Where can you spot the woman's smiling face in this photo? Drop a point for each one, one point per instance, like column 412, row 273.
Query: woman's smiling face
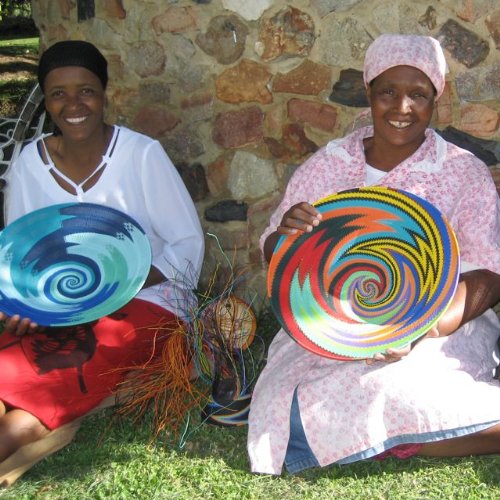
column 402, row 102
column 75, row 99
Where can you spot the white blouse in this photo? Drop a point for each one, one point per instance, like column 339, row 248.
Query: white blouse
column 140, row 180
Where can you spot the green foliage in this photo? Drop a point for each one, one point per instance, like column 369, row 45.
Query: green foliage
column 15, row 8
column 15, row 18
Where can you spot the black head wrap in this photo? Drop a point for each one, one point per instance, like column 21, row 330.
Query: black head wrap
column 73, row 53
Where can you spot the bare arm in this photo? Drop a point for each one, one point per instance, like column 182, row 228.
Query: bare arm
column 476, row 292
column 155, row 277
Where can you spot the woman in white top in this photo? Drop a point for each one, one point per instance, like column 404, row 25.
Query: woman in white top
column 87, row 160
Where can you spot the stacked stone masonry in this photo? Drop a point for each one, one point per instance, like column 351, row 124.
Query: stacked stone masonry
column 241, row 92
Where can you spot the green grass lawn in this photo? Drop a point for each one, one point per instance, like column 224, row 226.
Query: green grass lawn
column 19, row 46
column 119, row 462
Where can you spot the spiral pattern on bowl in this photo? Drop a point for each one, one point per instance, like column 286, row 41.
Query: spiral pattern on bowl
column 71, row 263
column 377, row 273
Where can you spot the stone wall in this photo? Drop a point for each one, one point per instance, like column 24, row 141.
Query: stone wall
column 240, row 92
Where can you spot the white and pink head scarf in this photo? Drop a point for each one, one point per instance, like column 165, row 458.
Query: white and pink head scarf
column 421, row 52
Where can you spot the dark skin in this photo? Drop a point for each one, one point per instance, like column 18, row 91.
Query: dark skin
column 402, row 102
column 75, row 100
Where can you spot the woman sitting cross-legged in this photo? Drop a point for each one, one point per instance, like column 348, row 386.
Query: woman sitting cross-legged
column 440, row 397
column 52, row 376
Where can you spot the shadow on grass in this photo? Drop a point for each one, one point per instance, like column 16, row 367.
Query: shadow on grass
column 487, row 467
column 19, row 88
column 13, row 96
column 116, row 436
column 19, row 51
column 19, row 66
column 98, row 445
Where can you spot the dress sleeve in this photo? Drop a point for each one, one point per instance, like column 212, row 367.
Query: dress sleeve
column 478, row 230
column 306, row 184
column 173, row 217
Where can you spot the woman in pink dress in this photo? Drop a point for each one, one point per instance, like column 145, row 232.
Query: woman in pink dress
column 439, row 398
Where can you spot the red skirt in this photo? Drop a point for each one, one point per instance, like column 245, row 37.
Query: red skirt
column 63, row 373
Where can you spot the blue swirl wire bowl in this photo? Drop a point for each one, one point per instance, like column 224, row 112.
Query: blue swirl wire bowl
column 71, row 263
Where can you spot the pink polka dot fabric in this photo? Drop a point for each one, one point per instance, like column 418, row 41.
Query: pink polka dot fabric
column 421, row 52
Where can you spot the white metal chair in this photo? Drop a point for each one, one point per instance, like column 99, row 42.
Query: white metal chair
column 16, row 132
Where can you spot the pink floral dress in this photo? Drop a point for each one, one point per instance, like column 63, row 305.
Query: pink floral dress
column 445, row 387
